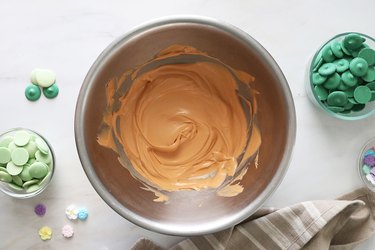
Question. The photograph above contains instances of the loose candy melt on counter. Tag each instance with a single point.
(343, 74)
(45, 79)
(22, 169)
(32, 92)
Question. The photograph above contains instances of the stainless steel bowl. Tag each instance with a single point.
(200, 212)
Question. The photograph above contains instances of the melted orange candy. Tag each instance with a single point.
(182, 125)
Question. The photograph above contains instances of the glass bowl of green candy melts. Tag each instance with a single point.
(26, 163)
(342, 76)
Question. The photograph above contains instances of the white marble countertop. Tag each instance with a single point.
(68, 35)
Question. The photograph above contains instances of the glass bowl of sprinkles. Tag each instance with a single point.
(341, 76)
(26, 163)
(366, 164)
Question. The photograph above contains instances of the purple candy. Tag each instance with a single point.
(369, 160)
(40, 209)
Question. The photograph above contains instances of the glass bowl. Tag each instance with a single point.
(353, 110)
(26, 163)
(366, 164)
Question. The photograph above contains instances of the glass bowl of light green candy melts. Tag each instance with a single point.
(26, 163)
(341, 76)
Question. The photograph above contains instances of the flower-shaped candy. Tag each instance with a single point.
(83, 214)
(67, 231)
(45, 233)
(71, 212)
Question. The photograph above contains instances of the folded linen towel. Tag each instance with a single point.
(323, 224)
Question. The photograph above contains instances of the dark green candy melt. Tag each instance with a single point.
(51, 92)
(337, 98)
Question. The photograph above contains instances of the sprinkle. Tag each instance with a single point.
(45, 233)
(370, 152)
(82, 214)
(40, 209)
(369, 160)
(71, 212)
(67, 231)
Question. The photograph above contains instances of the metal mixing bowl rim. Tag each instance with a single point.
(174, 229)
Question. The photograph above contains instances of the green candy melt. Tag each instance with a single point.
(321, 92)
(362, 94)
(337, 98)
(4, 155)
(358, 66)
(370, 75)
(4, 142)
(45, 158)
(51, 92)
(32, 92)
(38, 170)
(318, 79)
(368, 55)
(25, 174)
(17, 180)
(336, 49)
(13, 169)
(327, 69)
(19, 156)
(349, 79)
(5, 177)
(21, 138)
(341, 65)
(15, 187)
(42, 145)
(333, 81)
(327, 54)
(353, 41)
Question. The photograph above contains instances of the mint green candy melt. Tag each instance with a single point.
(45, 158)
(4, 155)
(13, 169)
(44, 77)
(42, 145)
(5, 177)
(21, 138)
(38, 170)
(4, 142)
(19, 156)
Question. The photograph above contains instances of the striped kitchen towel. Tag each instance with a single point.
(323, 224)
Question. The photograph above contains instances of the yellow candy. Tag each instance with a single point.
(45, 233)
